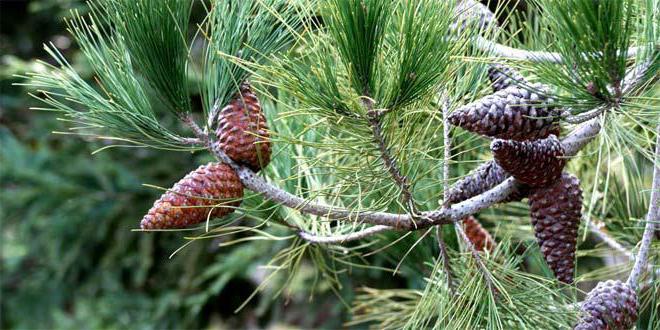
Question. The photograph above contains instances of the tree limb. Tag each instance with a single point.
(651, 219)
(572, 144)
(526, 55)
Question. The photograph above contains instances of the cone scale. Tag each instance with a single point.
(556, 212)
(610, 305)
(212, 190)
(502, 77)
(242, 131)
(535, 163)
(514, 113)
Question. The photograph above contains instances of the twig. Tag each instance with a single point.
(385, 155)
(310, 237)
(526, 55)
(192, 141)
(476, 256)
(596, 228)
(651, 218)
(188, 119)
(581, 118)
(213, 113)
(445, 183)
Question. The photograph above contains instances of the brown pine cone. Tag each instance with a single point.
(610, 305)
(536, 163)
(502, 77)
(556, 211)
(242, 131)
(480, 180)
(479, 236)
(514, 113)
(202, 191)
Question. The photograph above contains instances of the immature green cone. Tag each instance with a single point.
(480, 180)
(556, 212)
(514, 113)
(536, 163)
(212, 188)
(610, 305)
(502, 77)
(479, 236)
(242, 131)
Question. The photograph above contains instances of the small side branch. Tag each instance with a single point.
(596, 229)
(343, 238)
(477, 258)
(651, 219)
(386, 156)
(188, 119)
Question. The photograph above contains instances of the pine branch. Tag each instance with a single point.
(651, 219)
(572, 144)
(531, 56)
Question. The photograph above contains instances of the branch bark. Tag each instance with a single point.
(651, 219)
(446, 139)
(531, 56)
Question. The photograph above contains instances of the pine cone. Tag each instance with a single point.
(195, 196)
(480, 180)
(610, 305)
(536, 163)
(242, 131)
(513, 113)
(556, 212)
(479, 236)
(502, 77)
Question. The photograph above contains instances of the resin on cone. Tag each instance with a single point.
(242, 131)
(212, 190)
(502, 77)
(479, 236)
(610, 305)
(480, 180)
(536, 163)
(556, 211)
(514, 113)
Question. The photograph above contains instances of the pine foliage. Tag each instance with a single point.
(351, 89)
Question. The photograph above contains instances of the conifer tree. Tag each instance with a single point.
(342, 128)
